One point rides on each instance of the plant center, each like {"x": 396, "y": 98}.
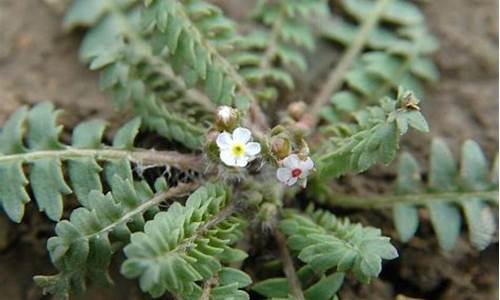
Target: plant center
{"x": 296, "y": 172}
{"x": 238, "y": 149}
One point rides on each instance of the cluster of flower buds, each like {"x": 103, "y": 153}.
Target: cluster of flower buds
{"x": 236, "y": 148}
{"x": 298, "y": 119}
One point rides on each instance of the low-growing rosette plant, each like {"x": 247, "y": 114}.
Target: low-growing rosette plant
{"x": 237, "y": 144}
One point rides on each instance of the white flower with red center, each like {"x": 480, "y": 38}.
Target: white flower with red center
{"x": 293, "y": 169}
{"x": 237, "y": 149}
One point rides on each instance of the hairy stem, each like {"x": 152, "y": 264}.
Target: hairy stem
{"x": 177, "y": 191}
{"x": 256, "y": 113}
{"x": 139, "y": 156}
{"x": 388, "y": 201}
{"x": 337, "y": 75}
{"x": 288, "y": 267}
{"x": 207, "y": 288}
{"x": 219, "y": 217}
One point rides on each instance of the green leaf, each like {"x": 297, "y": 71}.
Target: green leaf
{"x": 231, "y": 275}
{"x": 374, "y": 139}
{"x": 474, "y": 168}
{"x": 480, "y": 222}
{"x": 271, "y": 288}
{"x": 442, "y": 167}
{"x": 199, "y": 233}
{"x": 13, "y": 195}
{"x": 125, "y": 137}
{"x": 425, "y": 68}
{"x": 44, "y": 158}
{"x": 396, "y": 51}
{"x": 86, "y": 171}
{"x": 326, "y": 288}
{"x": 406, "y": 215}
{"x": 446, "y": 222}
{"x": 43, "y": 131}
{"x": 345, "y": 101}
{"x": 82, "y": 248}
{"x": 325, "y": 243}
{"x": 84, "y": 12}
{"x": 406, "y": 221}
{"x": 448, "y": 191}
{"x": 11, "y": 136}
{"x": 50, "y": 186}
{"x": 399, "y": 12}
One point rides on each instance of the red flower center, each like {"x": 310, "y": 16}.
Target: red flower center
{"x": 296, "y": 172}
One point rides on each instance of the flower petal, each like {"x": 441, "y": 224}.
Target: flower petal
{"x": 292, "y": 161}
{"x": 291, "y": 181}
{"x": 225, "y": 112}
{"x": 241, "y": 161}
{"x": 283, "y": 174}
{"x": 224, "y": 140}
{"x": 241, "y": 135}
{"x": 252, "y": 149}
{"x": 307, "y": 164}
{"x": 227, "y": 157}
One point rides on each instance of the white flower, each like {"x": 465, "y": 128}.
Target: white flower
{"x": 236, "y": 149}
{"x": 225, "y": 113}
{"x": 294, "y": 169}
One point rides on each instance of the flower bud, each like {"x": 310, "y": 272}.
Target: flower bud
{"x": 296, "y": 110}
{"x": 304, "y": 126}
{"x": 226, "y": 118}
{"x": 280, "y": 147}
{"x": 267, "y": 215}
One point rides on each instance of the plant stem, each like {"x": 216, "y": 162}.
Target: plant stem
{"x": 337, "y": 75}
{"x": 139, "y": 156}
{"x": 222, "y": 215}
{"x": 288, "y": 268}
{"x": 255, "y": 111}
{"x": 270, "y": 52}
{"x": 388, "y": 201}
{"x": 207, "y": 287}
{"x": 159, "y": 64}
{"x": 177, "y": 191}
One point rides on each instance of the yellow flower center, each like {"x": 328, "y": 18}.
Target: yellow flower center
{"x": 238, "y": 149}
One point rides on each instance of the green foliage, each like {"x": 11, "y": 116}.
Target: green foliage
{"x": 89, "y": 12}
{"x": 30, "y": 138}
{"x": 135, "y": 72}
{"x": 200, "y": 234}
{"x": 263, "y": 56}
{"x": 326, "y": 243}
{"x": 396, "y": 54}
{"x": 82, "y": 248}
{"x": 448, "y": 190}
{"x": 196, "y": 36}
{"x": 374, "y": 138}
{"x": 172, "y": 63}
{"x": 226, "y": 285}
{"x": 316, "y": 287}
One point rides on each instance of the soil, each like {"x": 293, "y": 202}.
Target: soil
{"x": 38, "y": 61}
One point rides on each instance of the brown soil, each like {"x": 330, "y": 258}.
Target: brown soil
{"x": 38, "y": 61}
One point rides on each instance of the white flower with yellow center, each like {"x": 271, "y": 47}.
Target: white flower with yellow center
{"x": 293, "y": 168}
{"x": 236, "y": 149}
